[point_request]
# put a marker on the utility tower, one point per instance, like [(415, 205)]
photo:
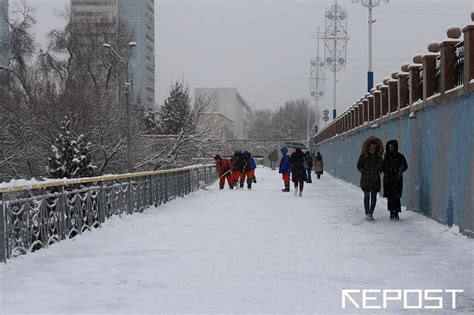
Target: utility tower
[(317, 78), (335, 40)]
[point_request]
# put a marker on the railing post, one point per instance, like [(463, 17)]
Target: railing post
[(468, 55), (448, 60), (384, 99), (62, 205), (393, 94), (353, 118), (370, 99), (365, 104), (3, 229), (377, 105), (102, 203), (360, 107), (130, 197), (403, 93), (429, 75), (415, 92)]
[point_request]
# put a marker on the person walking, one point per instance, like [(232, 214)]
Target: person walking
[(224, 171), (308, 165), (298, 171), (394, 165), (273, 157), (318, 165), (285, 168), (370, 165)]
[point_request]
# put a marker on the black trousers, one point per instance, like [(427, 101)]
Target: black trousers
[(300, 184), (394, 204), (308, 175), (370, 200)]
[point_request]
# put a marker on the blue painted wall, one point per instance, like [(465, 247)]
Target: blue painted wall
[(438, 145)]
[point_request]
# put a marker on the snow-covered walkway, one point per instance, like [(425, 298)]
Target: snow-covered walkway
[(242, 251)]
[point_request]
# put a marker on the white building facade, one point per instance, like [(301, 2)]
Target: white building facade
[(230, 108)]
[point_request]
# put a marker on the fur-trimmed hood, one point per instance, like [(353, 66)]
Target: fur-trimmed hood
[(368, 141)]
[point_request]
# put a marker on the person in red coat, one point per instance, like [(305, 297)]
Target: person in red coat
[(224, 170)]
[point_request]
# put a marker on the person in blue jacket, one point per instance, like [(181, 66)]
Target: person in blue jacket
[(285, 168)]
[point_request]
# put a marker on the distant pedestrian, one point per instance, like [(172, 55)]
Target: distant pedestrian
[(253, 168), (248, 170), (285, 168), (394, 165), (273, 157), (298, 171), (308, 165), (318, 165), (224, 171), (370, 166)]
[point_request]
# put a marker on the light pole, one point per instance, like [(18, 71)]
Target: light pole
[(125, 61), (370, 4)]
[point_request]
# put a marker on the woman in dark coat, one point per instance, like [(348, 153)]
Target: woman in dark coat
[(394, 165), (370, 166), (308, 165), (318, 165), (299, 172)]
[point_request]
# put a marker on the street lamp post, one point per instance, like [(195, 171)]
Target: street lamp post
[(370, 4), (125, 61)]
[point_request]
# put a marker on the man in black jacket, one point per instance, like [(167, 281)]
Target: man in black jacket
[(394, 165)]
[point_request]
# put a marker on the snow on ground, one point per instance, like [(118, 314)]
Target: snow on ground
[(243, 251)]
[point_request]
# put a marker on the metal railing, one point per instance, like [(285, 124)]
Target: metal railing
[(459, 65), (438, 75), (36, 216)]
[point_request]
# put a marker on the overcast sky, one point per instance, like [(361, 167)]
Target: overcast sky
[(263, 47)]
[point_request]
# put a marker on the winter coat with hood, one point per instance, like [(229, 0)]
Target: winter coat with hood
[(318, 163), (394, 165), (370, 165), (298, 161), (285, 162)]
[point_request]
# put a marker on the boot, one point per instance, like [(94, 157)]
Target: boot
[(392, 215), (301, 194), (221, 186), (255, 180), (287, 188), (249, 185), (396, 216), (241, 184)]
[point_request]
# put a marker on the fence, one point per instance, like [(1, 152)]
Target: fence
[(37, 216), (446, 71)]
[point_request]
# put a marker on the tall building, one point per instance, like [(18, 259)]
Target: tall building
[(4, 44), (229, 110), (138, 16)]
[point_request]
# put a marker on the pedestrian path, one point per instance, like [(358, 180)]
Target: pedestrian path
[(260, 251)]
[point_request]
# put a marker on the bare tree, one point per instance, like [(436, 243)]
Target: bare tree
[(195, 135)]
